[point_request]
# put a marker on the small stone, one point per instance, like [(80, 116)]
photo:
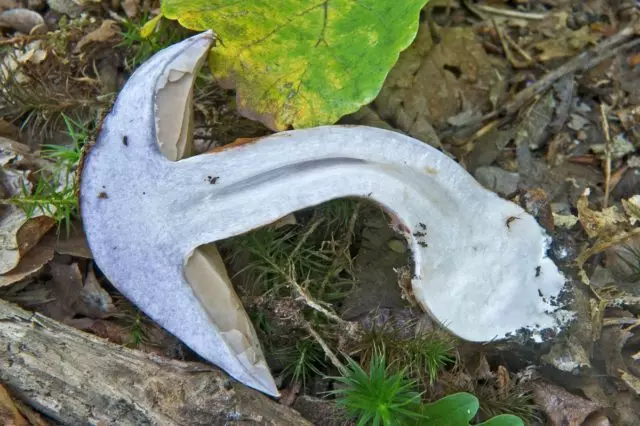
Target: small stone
[(497, 180), (23, 20)]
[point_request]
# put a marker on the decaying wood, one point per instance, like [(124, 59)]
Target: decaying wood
[(77, 378)]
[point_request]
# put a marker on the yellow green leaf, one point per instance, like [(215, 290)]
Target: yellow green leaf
[(298, 63), (148, 27)]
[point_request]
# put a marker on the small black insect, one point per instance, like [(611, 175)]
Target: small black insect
[(422, 225), (103, 195), (540, 293), (125, 141), (423, 244), (509, 220), (538, 270), (213, 179), (419, 234)]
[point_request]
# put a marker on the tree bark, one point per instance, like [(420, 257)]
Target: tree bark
[(79, 379)]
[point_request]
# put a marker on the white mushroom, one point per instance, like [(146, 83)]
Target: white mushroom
[(480, 265)]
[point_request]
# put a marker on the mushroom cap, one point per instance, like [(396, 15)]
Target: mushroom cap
[(480, 276)]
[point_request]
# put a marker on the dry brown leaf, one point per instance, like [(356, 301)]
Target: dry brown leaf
[(567, 44), (561, 41), (483, 369), (18, 235), (95, 301), (289, 219), (623, 260), (536, 202), (18, 151), (568, 355), (632, 207), (102, 328), (612, 231), (612, 341), (107, 30), (431, 83), (561, 407), (600, 224), (65, 288), (9, 414), (33, 53), (503, 380), (564, 221), (531, 129), (73, 244), (31, 263)]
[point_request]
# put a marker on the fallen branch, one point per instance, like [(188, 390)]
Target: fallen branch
[(512, 13), (77, 378), (581, 62), (325, 347)]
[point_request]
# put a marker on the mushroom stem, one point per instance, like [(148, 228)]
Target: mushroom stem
[(482, 275)]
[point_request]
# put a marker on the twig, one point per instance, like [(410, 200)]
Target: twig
[(632, 326), (327, 350), (606, 55), (474, 9), (512, 59), (518, 49), (607, 153), (314, 304), (304, 238), (618, 321), (22, 39), (581, 62), (601, 246), (511, 13)]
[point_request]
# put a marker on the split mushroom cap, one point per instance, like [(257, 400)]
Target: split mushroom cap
[(479, 272)]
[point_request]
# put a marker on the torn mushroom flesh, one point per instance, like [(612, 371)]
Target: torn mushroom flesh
[(480, 274)]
